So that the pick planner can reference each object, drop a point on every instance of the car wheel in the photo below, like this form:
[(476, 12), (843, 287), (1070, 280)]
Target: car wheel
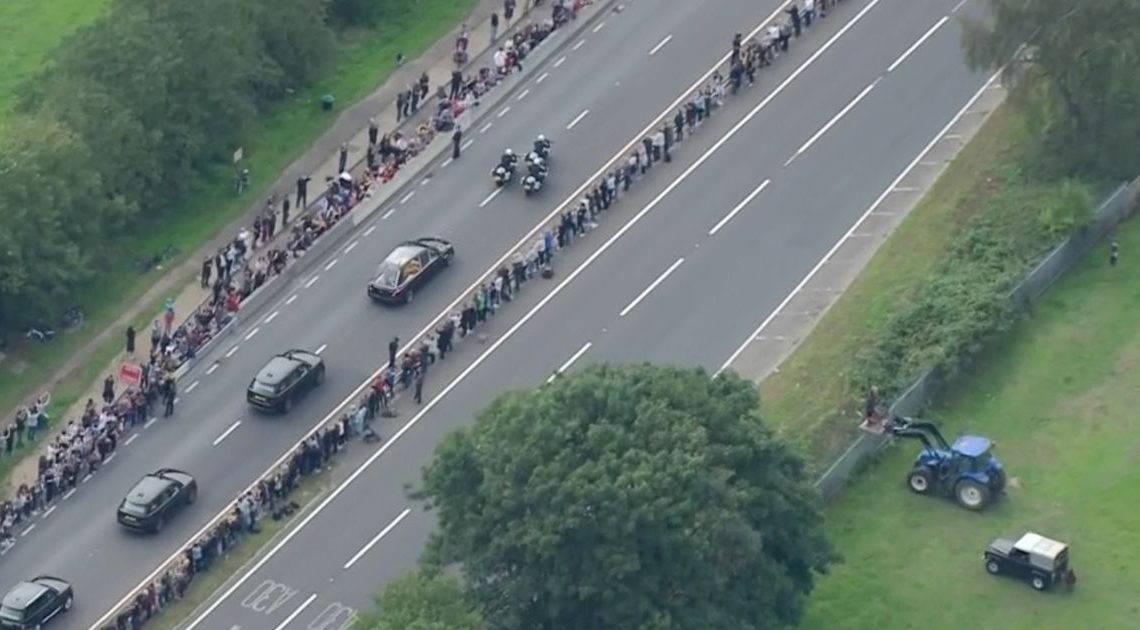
[(286, 405), (920, 480), (320, 376), (68, 602), (192, 496), (409, 296), (972, 495), (993, 567), (1039, 583), (159, 524)]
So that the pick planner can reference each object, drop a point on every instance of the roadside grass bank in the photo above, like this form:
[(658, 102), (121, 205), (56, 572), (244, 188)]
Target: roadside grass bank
[(1058, 395), (366, 59), (934, 288), (32, 29)]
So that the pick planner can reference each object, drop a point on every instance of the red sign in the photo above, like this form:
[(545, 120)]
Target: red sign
[(130, 374)]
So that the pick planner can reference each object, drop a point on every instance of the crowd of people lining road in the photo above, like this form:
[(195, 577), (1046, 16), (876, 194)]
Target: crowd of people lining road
[(89, 441)]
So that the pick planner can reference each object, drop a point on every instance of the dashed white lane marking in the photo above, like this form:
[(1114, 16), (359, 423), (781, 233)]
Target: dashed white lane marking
[(599, 27), (232, 351), (446, 162), (69, 493), (566, 364), (504, 111), (296, 613), (332, 263), (405, 198), (958, 6), (256, 330), (213, 368), (465, 145), (225, 434), (372, 543), (913, 47), (485, 127), (28, 530), (649, 289), (660, 45), (48, 512), (352, 245), (108, 460), (312, 281), (321, 349), (368, 232), (542, 77), (387, 214), (740, 206), (150, 422), (579, 44), (560, 61), (191, 387), (523, 94), (272, 316), (87, 478), (130, 439), (834, 119), (577, 119), (491, 196)]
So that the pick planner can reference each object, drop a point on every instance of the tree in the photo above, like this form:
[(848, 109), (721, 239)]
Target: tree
[(1077, 72), (423, 601), (639, 498)]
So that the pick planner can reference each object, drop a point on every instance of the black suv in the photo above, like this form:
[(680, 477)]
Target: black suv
[(1034, 558), (34, 602), (155, 497), (285, 378)]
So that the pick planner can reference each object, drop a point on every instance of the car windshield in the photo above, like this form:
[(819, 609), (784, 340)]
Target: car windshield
[(11, 614), (132, 508), (263, 388)]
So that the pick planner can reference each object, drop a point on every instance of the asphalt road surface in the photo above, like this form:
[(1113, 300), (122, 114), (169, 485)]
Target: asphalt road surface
[(680, 274), (610, 86)]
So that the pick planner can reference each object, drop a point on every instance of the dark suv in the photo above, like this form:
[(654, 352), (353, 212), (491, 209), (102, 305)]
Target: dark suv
[(284, 379), (34, 602), (155, 497)]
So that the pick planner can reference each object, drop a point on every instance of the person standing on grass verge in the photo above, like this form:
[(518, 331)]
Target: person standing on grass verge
[(168, 316), (1113, 254)]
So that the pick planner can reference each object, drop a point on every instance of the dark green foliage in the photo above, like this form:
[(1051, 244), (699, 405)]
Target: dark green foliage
[(1078, 74), (423, 601), (638, 498), (965, 304)]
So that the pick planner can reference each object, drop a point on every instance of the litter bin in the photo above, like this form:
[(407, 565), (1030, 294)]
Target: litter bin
[(327, 102)]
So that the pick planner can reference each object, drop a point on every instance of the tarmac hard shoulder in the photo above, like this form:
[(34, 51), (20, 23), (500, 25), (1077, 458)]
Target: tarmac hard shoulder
[(319, 160)]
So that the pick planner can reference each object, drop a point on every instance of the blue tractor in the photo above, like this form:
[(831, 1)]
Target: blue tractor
[(965, 471)]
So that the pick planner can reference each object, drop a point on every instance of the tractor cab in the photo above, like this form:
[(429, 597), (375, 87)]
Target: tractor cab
[(965, 470)]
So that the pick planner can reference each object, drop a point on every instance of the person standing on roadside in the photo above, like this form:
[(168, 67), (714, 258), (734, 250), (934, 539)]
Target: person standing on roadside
[(456, 141), (393, 348), (419, 385), (494, 26), (109, 389), (169, 393), (342, 159), (303, 191), (131, 341), (207, 270), (373, 132)]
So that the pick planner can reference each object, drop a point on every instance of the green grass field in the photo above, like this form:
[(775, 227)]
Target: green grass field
[(1060, 399)]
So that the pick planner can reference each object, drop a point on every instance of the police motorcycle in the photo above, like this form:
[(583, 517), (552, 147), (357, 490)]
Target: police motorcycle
[(536, 174), (542, 147), (505, 171)]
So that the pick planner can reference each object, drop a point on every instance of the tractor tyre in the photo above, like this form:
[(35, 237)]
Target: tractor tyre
[(972, 495), (920, 480)]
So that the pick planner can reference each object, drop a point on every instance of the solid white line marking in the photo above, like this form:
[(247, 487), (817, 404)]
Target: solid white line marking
[(28, 530), (523, 95), (405, 198), (446, 162), (352, 245), (649, 289), (834, 119), (577, 119), (504, 111), (128, 441), (225, 434), (272, 316), (566, 364), (465, 145), (213, 368), (312, 281), (599, 27), (834, 248), (293, 298), (191, 387), (542, 77), (620, 156), (915, 45), (491, 196), (321, 349), (253, 332), (150, 422), (740, 206), (486, 127), (232, 351), (560, 61), (376, 539), (69, 493), (296, 613), (48, 512), (660, 45), (579, 44), (387, 214)]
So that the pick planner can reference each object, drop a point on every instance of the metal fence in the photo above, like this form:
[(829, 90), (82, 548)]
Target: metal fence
[(1117, 207)]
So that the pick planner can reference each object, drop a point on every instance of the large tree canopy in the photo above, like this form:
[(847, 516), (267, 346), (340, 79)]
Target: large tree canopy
[(420, 601), (635, 498), (1078, 71)]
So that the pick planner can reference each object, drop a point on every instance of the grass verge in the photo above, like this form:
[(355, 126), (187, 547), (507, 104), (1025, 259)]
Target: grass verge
[(1059, 397), (367, 59), (202, 588)]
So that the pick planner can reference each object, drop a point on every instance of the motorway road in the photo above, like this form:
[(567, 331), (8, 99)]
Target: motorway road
[(689, 297), (611, 76)]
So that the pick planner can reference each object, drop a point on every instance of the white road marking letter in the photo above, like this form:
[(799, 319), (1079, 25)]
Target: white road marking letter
[(268, 597)]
